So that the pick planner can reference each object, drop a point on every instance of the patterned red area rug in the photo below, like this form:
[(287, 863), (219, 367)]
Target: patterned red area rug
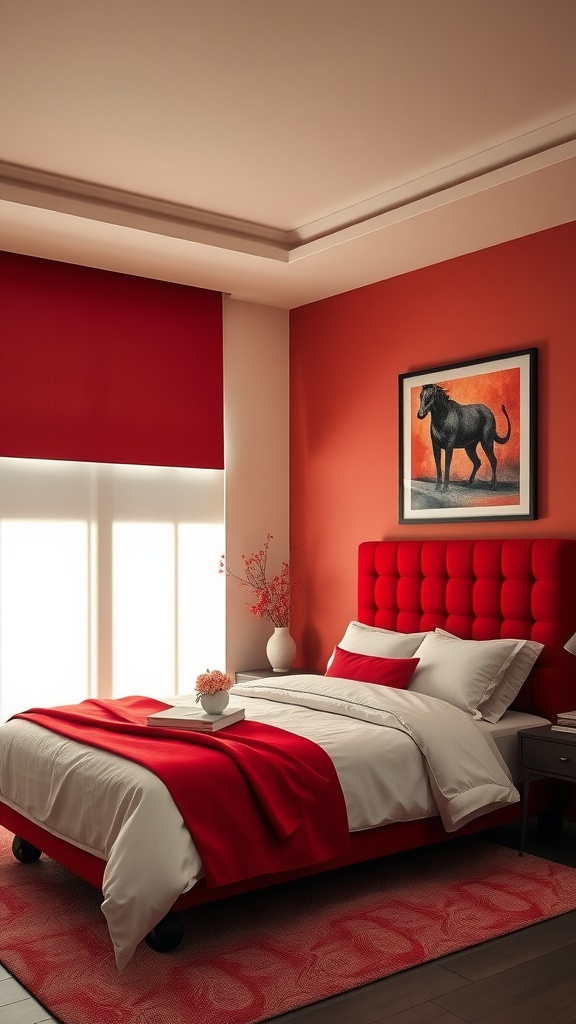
[(260, 955)]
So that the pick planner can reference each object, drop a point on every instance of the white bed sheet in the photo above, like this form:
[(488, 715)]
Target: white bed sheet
[(119, 811)]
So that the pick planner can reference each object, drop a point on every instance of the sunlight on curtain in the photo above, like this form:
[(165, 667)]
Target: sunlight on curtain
[(109, 581), (43, 613), (143, 606)]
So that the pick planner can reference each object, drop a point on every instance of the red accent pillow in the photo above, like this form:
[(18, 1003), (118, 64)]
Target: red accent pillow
[(396, 672)]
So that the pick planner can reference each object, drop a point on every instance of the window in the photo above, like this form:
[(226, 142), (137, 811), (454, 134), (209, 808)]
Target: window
[(109, 580)]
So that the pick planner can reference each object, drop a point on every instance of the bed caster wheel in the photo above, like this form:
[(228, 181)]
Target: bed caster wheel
[(24, 852), (166, 935)]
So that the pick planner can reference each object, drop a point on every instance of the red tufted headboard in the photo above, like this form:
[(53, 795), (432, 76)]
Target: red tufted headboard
[(481, 590)]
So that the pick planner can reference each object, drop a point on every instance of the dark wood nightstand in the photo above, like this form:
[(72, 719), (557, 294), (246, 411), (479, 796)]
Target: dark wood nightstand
[(263, 673), (545, 752)]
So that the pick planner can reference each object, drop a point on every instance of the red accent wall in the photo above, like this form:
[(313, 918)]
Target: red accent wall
[(103, 367), (346, 355)]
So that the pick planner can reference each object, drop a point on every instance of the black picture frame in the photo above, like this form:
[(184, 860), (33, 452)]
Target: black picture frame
[(493, 399)]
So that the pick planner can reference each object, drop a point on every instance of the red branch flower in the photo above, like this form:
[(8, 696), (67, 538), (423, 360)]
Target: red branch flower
[(271, 598)]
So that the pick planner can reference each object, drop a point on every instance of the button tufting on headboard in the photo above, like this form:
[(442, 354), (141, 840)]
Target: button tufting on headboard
[(481, 590)]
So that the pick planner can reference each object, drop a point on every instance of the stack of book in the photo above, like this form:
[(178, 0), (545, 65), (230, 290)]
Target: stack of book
[(186, 717), (566, 722)]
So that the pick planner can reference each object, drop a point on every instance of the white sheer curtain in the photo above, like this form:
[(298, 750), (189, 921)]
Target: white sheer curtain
[(109, 580)]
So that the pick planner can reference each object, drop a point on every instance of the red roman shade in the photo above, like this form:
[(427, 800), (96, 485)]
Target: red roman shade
[(105, 367)]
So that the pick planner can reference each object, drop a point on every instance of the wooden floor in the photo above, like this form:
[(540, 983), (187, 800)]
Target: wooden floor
[(528, 977)]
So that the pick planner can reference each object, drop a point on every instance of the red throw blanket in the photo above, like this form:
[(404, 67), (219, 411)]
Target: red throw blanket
[(256, 799)]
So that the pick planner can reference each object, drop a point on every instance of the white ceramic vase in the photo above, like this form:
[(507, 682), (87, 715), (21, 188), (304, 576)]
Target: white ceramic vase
[(281, 649), (215, 703)]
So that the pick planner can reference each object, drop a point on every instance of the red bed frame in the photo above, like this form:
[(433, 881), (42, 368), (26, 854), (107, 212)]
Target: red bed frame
[(476, 589)]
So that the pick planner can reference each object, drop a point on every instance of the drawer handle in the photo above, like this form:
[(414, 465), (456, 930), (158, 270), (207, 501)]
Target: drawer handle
[(564, 758)]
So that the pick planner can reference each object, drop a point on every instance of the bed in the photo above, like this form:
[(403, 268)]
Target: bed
[(456, 646)]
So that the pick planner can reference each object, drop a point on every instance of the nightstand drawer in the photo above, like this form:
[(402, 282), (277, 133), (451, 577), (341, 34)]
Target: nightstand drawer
[(553, 757)]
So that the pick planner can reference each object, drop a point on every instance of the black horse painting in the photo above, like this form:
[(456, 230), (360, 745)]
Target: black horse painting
[(459, 426)]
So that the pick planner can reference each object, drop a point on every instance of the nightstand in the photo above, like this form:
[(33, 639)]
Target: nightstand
[(263, 673), (545, 752)]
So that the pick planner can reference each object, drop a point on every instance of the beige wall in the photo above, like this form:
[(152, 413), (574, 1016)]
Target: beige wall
[(256, 438)]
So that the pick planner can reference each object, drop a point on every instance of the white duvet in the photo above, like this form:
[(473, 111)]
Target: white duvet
[(399, 756)]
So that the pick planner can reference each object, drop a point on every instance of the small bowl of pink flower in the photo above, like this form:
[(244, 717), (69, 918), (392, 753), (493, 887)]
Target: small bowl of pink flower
[(212, 691)]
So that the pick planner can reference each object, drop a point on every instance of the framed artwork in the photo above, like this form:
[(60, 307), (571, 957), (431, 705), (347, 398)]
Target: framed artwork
[(468, 440)]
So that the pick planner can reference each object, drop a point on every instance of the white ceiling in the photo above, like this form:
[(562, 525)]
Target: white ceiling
[(283, 151)]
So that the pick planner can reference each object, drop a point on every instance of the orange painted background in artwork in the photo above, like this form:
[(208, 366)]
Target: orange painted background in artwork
[(502, 387)]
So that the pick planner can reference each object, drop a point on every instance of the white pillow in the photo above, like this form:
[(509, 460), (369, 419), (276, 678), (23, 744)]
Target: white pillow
[(461, 672), (510, 679), (378, 643)]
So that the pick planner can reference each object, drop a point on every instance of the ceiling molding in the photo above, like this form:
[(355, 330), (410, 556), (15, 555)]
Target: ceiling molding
[(544, 144), (442, 197), (548, 145), (30, 187)]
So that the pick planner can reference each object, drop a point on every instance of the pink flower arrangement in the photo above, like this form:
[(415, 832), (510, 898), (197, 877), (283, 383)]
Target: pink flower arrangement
[(212, 682), (271, 597)]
